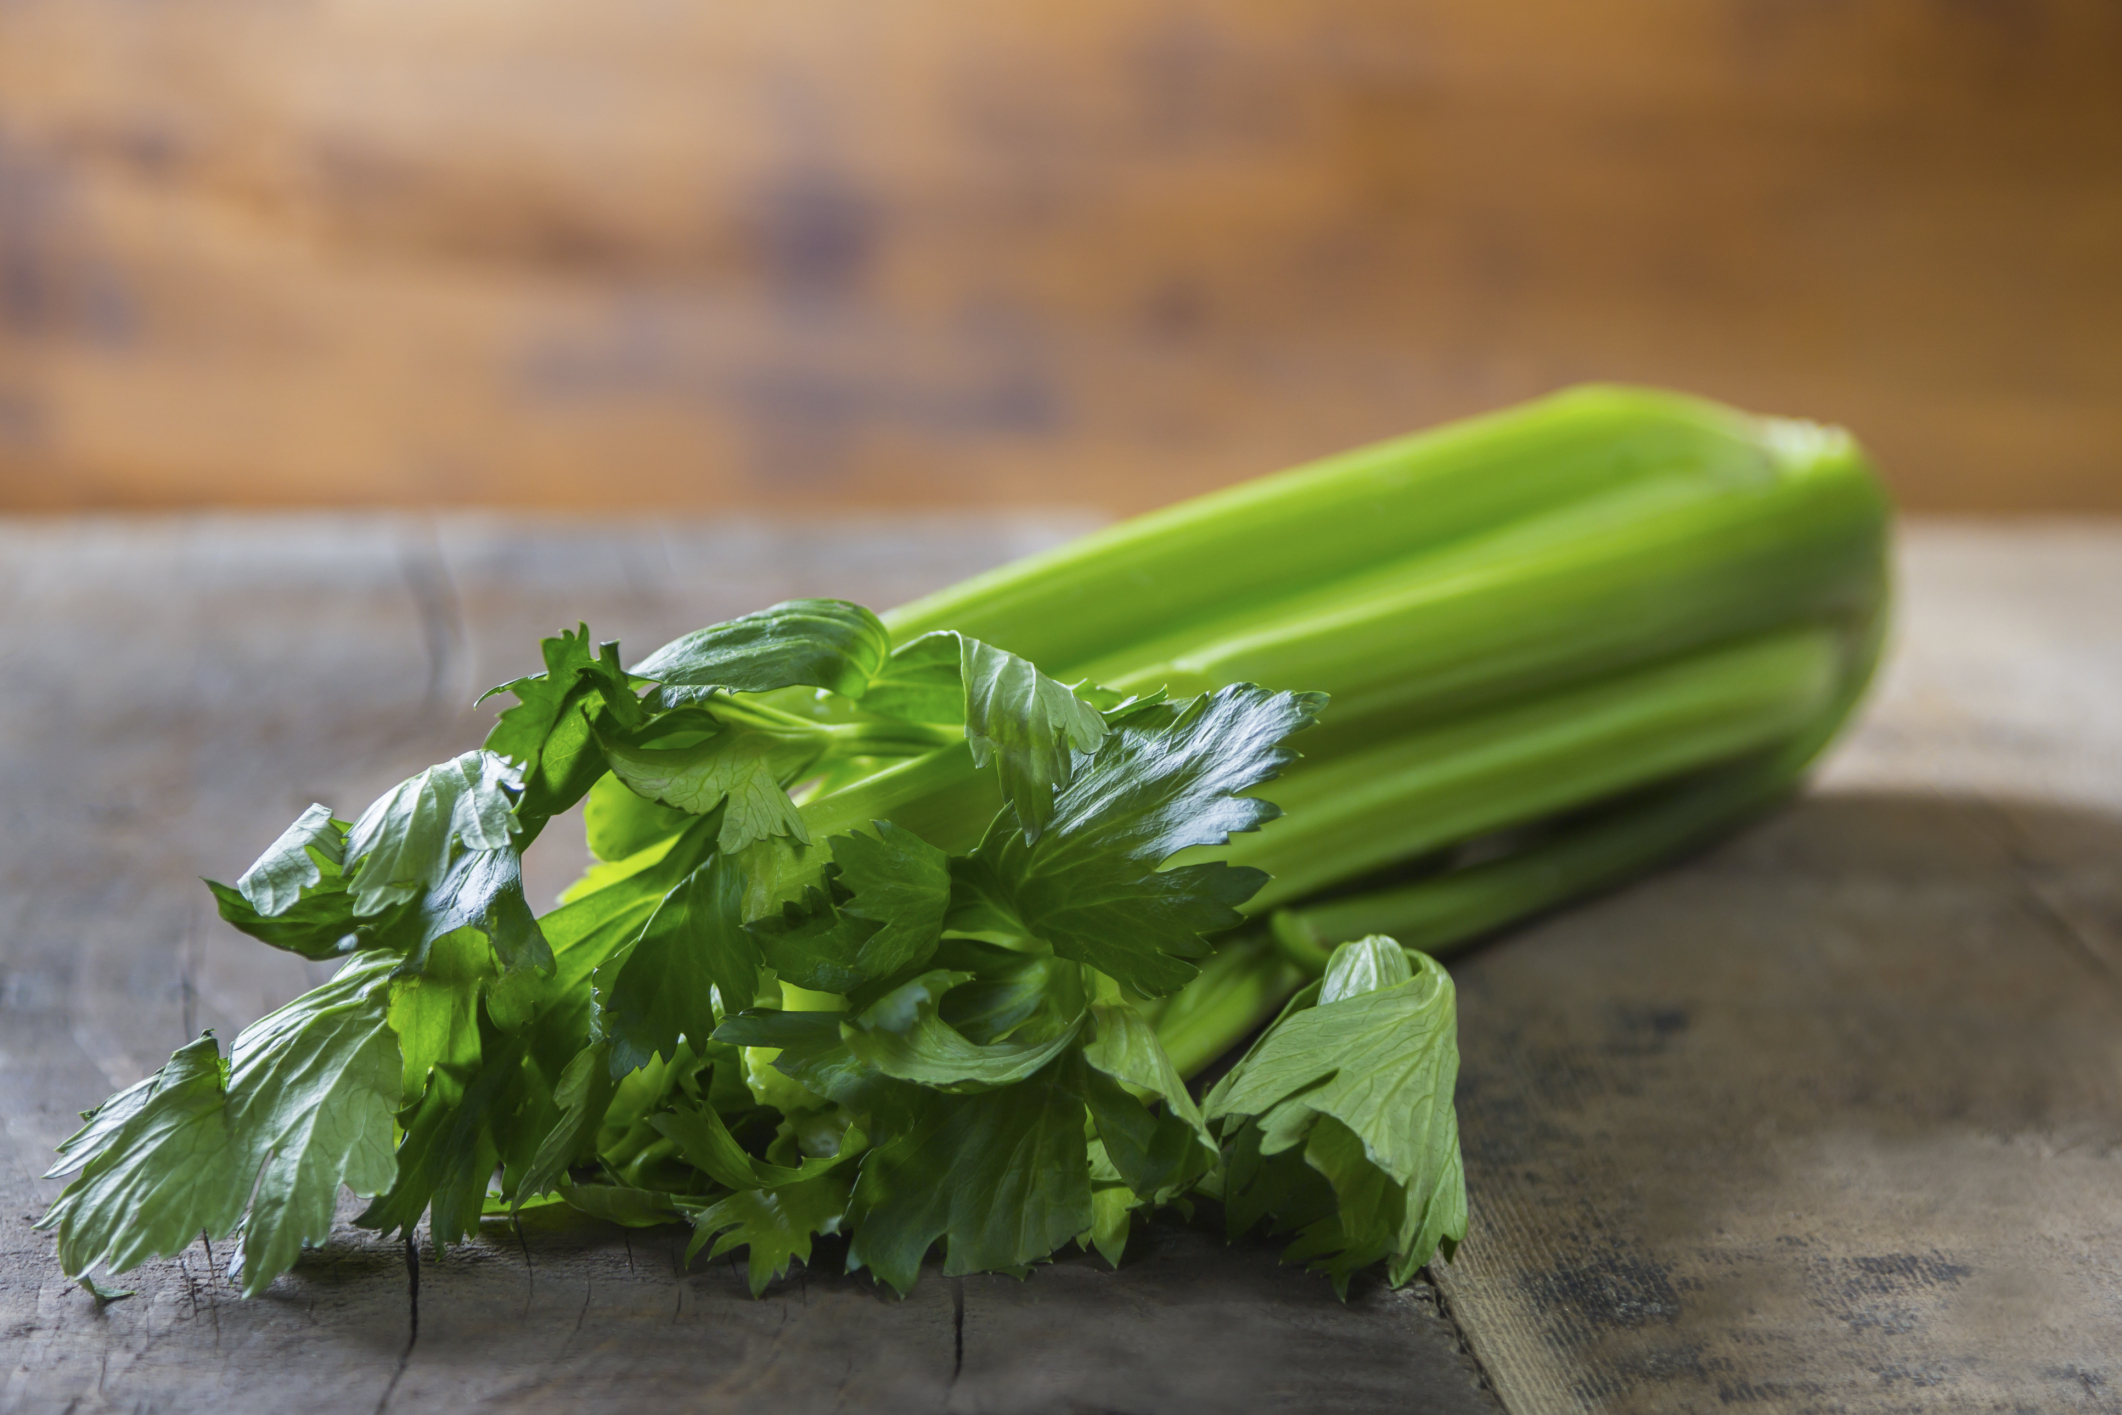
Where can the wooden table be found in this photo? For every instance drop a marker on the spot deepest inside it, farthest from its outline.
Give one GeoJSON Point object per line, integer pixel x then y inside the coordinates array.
{"type": "Point", "coordinates": [1828, 1119]}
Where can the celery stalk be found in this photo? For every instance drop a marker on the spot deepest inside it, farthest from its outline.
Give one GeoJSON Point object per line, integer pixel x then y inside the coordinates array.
{"type": "Point", "coordinates": [1452, 908]}
{"type": "Point", "coordinates": [1614, 621]}
{"type": "Point", "coordinates": [1239, 989]}
{"type": "Point", "coordinates": [1624, 579]}
{"type": "Point", "coordinates": [1475, 775]}
{"type": "Point", "coordinates": [1221, 558]}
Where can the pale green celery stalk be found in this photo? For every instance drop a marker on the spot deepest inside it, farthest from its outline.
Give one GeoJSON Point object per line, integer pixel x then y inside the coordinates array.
{"type": "Point", "coordinates": [1446, 910]}
{"type": "Point", "coordinates": [1760, 525]}
{"type": "Point", "coordinates": [1624, 578]}
{"type": "Point", "coordinates": [1681, 557]}
{"type": "Point", "coordinates": [1519, 617]}
{"type": "Point", "coordinates": [1471, 776]}
{"type": "Point", "coordinates": [1240, 988]}
{"type": "Point", "coordinates": [941, 797]}
{"type": "Point", "coordinates": [1266, 541]}
{"type": "Point", "coordinates": [1249, 976]}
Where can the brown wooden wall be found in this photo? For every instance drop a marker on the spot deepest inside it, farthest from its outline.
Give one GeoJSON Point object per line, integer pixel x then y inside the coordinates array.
{"type": "Point", "coordinates": [817, 252]}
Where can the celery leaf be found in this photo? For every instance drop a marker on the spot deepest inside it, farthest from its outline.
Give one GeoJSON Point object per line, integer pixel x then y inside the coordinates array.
{"type": "Point", "coordinates": [776, 1225]}
{"type": "Point", "coordinates": [319, 926]}
{"type": "Point", "coordinates": [1157, 1153]}
{"type": "Point", "coordinates": [706, 1144]}
{"type": "Point", "coordinates": [1090, 886]}
{"type": "Point", "coordinates": [453, 1139]}
{"type": "Point", "coordinates": [661, 988]}
{"type": "Point", "coordinates": [582, 1095]}
{"type": "Point", "coordinates": [403, 843]}
{"type": "Point", "coordinates": [1358, 1076]}
{"type": "Point", "coordinates": [899, 882]}
{"type": "Point", "coordinates": [551, 731]}
{"type": "Point", "coordinates": [1015, 716]}
{"type": "Point", "coordinates": [295, 896]}
{"type": "Point", "coordinates": [294, 863]}
{"type": "Point", "coordinates": [1002, 1177]}
{"type": "Point", "coordinates": [819, 643]}
{"type": "Point", "coordinates": [918, 1045]}
{"type": "Point", "coordinates": [304, 1105]}
{"type": "Point", "coordinates": [1028, 724]}
{"type": "Point", "coordinates": [813, 945]}
{"type": "Point", "coordinates": [745, 770]}
{"type": "Point", "coordinates": [483, 889]}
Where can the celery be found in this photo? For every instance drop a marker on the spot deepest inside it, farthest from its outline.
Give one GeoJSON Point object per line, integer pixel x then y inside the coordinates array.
{"type": "Point", "coordinates": [1518, 617]}
{"type": "Point", "coordinates": [900, 936]}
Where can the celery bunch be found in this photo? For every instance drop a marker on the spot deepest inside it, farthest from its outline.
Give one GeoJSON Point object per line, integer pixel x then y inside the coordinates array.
{"type": "Point", "coordinates": [913, 929]}
{"type": "Point", "coordinates": [1562, 642]}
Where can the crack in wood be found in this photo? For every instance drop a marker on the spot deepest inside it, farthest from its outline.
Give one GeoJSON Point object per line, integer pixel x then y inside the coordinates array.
{"type": "Point", "coordinates": [1459, 1334]}
{"type": "Point", "coordinates": [530, 1276]}
{"type": "Point", "coordinates": [412, 1311]}
{"type": "Point", "coordinates": [957, 1328]}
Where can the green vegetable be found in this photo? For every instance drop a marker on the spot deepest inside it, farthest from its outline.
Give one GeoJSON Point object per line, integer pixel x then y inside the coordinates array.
{"type": "Point", "coordinates": [909, 930]}
{"type": "Point", "coordinates": [262, 1141]}
{"type": "Point", "coordinates": [1353, 1084]}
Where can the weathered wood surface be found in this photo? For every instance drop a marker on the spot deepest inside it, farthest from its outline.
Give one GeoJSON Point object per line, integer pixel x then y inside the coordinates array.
{"type": "Point", "coordinates": [565, 253]}
{"type": "Point", "coordinates": [172, 691]}
{"type": "Point", "coordinates": [1829, 1119]}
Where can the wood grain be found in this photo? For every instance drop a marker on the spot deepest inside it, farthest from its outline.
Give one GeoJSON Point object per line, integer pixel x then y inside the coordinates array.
{"type": "Point", "coordinates": [175, 690]}
{"type": "Point", "coordinates": [1825, 1120]}
{"type": "Point", "coordinates": [1831, 1119]}
{"type": "Point", "coordinates": [817, 254]}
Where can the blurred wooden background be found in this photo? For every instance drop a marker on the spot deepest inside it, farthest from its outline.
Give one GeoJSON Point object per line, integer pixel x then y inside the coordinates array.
{"type": "Point", "coordinates": [823, 252]}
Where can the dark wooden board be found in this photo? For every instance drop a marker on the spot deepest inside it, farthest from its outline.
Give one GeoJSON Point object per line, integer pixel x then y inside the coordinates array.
{"type": "Point", "coordinates": [1829, 1119]}
{"type": "Point", "coordinates": [173, 691]}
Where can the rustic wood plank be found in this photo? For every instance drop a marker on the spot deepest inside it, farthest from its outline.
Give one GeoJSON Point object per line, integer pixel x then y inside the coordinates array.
{"type": "Point", "coordinates": [1824, 1120]}
{"type": "Point", "coordinates": [176, 690]}
{"type": "Point", "coordinates": [1831, 1119]}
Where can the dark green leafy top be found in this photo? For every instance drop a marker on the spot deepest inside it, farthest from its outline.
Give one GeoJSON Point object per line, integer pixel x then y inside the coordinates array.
{"type": "Point", "coordinates": [862, 956]}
